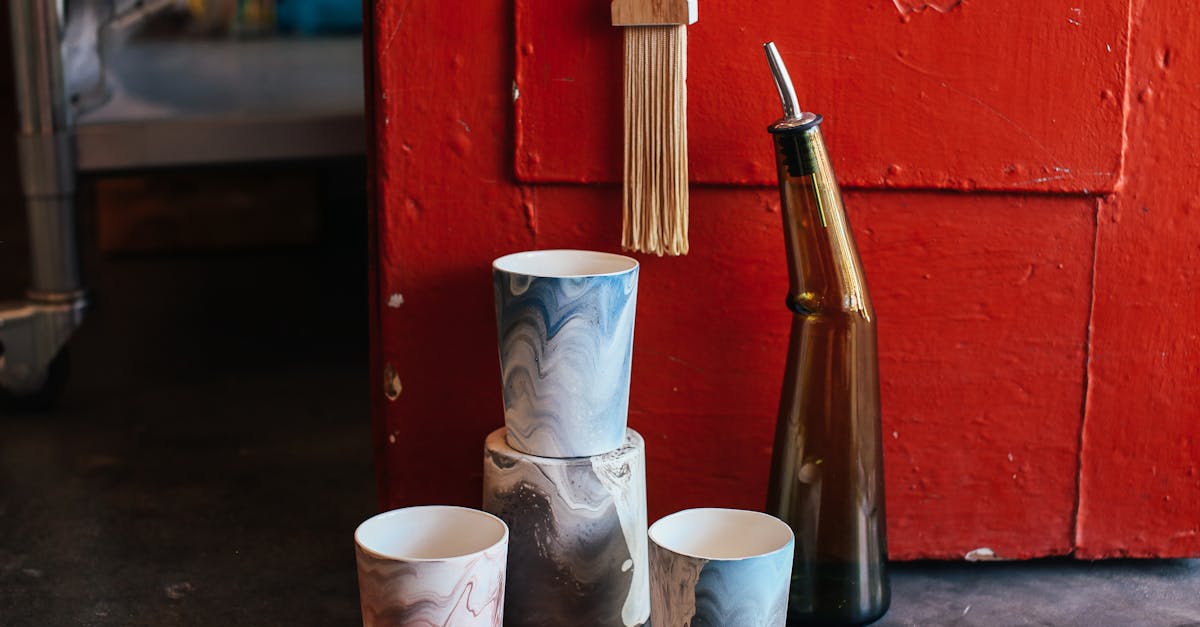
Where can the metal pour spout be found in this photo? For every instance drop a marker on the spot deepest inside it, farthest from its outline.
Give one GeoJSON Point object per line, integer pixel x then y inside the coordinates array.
{"type": "Point", "coordinates": [783, 82]}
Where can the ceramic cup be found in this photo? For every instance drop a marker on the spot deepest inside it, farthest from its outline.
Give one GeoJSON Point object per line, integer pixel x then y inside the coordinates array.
{"type": "Point", "coordinates": [565, 324]}
{"type": "Point", "coordinates": [432, 565]}
{"type": "Point", "coordinates": [727, 567]}
{"type": "Point", "coordinates": [578, 549]}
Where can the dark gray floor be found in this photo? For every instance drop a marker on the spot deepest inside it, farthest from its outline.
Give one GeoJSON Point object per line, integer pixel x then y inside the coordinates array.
{"type": "Point", "coordinates": [225, 499]}
{"type": "Point", "coordinates": [211, 458]}
{"type": "Point", "coordinates": [1123, 593]}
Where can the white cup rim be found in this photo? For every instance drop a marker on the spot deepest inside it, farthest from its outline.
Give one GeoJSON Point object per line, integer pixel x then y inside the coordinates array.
{"type": "Point", "coordinates": [663, 525]}
{"type": "Point", "coordinates": [564, 263]}
{"type": "Point", "coordinates": [456, 510]}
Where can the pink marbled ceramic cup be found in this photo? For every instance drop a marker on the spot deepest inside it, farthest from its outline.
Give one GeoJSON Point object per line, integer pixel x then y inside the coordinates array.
{"type": "Point", "coordinates": [432, 565]}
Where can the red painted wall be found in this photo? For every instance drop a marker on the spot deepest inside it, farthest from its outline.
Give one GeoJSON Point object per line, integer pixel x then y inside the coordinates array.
{"type": "Point", "coordinates": [1015, 325]}
{"type": "Point", "coordinates": [1140, 483]}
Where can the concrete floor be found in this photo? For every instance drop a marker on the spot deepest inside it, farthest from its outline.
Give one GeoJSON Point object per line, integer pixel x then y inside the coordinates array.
{"type": "Point", "coordinates": [1117, 593]}
{"type": "Point", "coordinates": [211, 458]}
{"type": "Point", "coordinates": [211, 453]}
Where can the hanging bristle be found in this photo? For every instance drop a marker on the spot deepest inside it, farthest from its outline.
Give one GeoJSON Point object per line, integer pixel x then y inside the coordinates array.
{"type": "Point", "coordinates": [656, 167]}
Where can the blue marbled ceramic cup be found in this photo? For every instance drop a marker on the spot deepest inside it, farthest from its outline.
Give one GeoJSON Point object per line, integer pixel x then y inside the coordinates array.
{"type": "Point", "coordinates": [564, 319]}
{"type": "Point", "coordinates": [726, 567]}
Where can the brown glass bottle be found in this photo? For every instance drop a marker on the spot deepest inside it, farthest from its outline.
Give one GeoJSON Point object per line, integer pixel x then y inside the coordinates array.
{"type": "Point", "coordinates": [827, 466]}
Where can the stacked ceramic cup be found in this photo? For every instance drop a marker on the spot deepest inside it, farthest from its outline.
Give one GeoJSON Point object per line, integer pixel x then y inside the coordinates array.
{"type": "Point", "coordinates": [565, 473]}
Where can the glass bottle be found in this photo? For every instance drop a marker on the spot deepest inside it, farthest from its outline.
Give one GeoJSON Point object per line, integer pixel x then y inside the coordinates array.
{"type": "Point", "coordinates": [827, 466]}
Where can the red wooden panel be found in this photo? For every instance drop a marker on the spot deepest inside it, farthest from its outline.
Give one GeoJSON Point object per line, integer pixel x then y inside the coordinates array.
{"type": "Point", "coordinates": [1017, 95]}
{"type": "Point", "coordinates": [982, 304]}
{"type": "Point", "coordinates": [444, 208]}
{"type": "Point", "coordinates": [1140, 487]}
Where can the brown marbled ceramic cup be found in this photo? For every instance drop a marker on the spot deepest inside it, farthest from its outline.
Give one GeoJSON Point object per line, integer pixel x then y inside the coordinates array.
{"type": "Point", "coordinates": [432, 565]}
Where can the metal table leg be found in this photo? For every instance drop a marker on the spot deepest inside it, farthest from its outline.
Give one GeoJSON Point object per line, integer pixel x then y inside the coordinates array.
{"type": "Point", "coordinates": [34, 331]}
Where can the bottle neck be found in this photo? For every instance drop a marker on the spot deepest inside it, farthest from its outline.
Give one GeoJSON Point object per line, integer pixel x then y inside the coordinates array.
{"type": "Point", "coordinates": [823, 266]}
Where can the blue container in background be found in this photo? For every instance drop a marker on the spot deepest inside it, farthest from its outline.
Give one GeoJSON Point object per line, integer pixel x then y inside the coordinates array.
{"type": "Point", "coordinates": [319, 17]}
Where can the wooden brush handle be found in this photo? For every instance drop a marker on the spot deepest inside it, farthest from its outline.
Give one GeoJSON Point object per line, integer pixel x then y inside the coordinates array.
{"type": "Point", "coordinates": [653, 12]}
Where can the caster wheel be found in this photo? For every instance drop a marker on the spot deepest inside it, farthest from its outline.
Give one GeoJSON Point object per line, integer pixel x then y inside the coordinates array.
{"type": "Point", "coordinates": [45, 397]}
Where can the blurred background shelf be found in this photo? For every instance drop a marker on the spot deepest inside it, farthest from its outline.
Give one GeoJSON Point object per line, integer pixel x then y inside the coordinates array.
{"type": "Point", "coordinates": [194, 102]}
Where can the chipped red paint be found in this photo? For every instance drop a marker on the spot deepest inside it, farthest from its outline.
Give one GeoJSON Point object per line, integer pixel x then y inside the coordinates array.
{"type": "Point", "coordinates": [983, 299]}
{"type": "Point", "coordinates": [916, 6]}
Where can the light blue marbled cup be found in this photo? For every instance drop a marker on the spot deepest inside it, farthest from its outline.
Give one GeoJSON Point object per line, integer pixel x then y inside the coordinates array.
{"type": "Point", "coordinates": [720, 568]}
{"type": "Point", "coordinates": [564, 319]}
